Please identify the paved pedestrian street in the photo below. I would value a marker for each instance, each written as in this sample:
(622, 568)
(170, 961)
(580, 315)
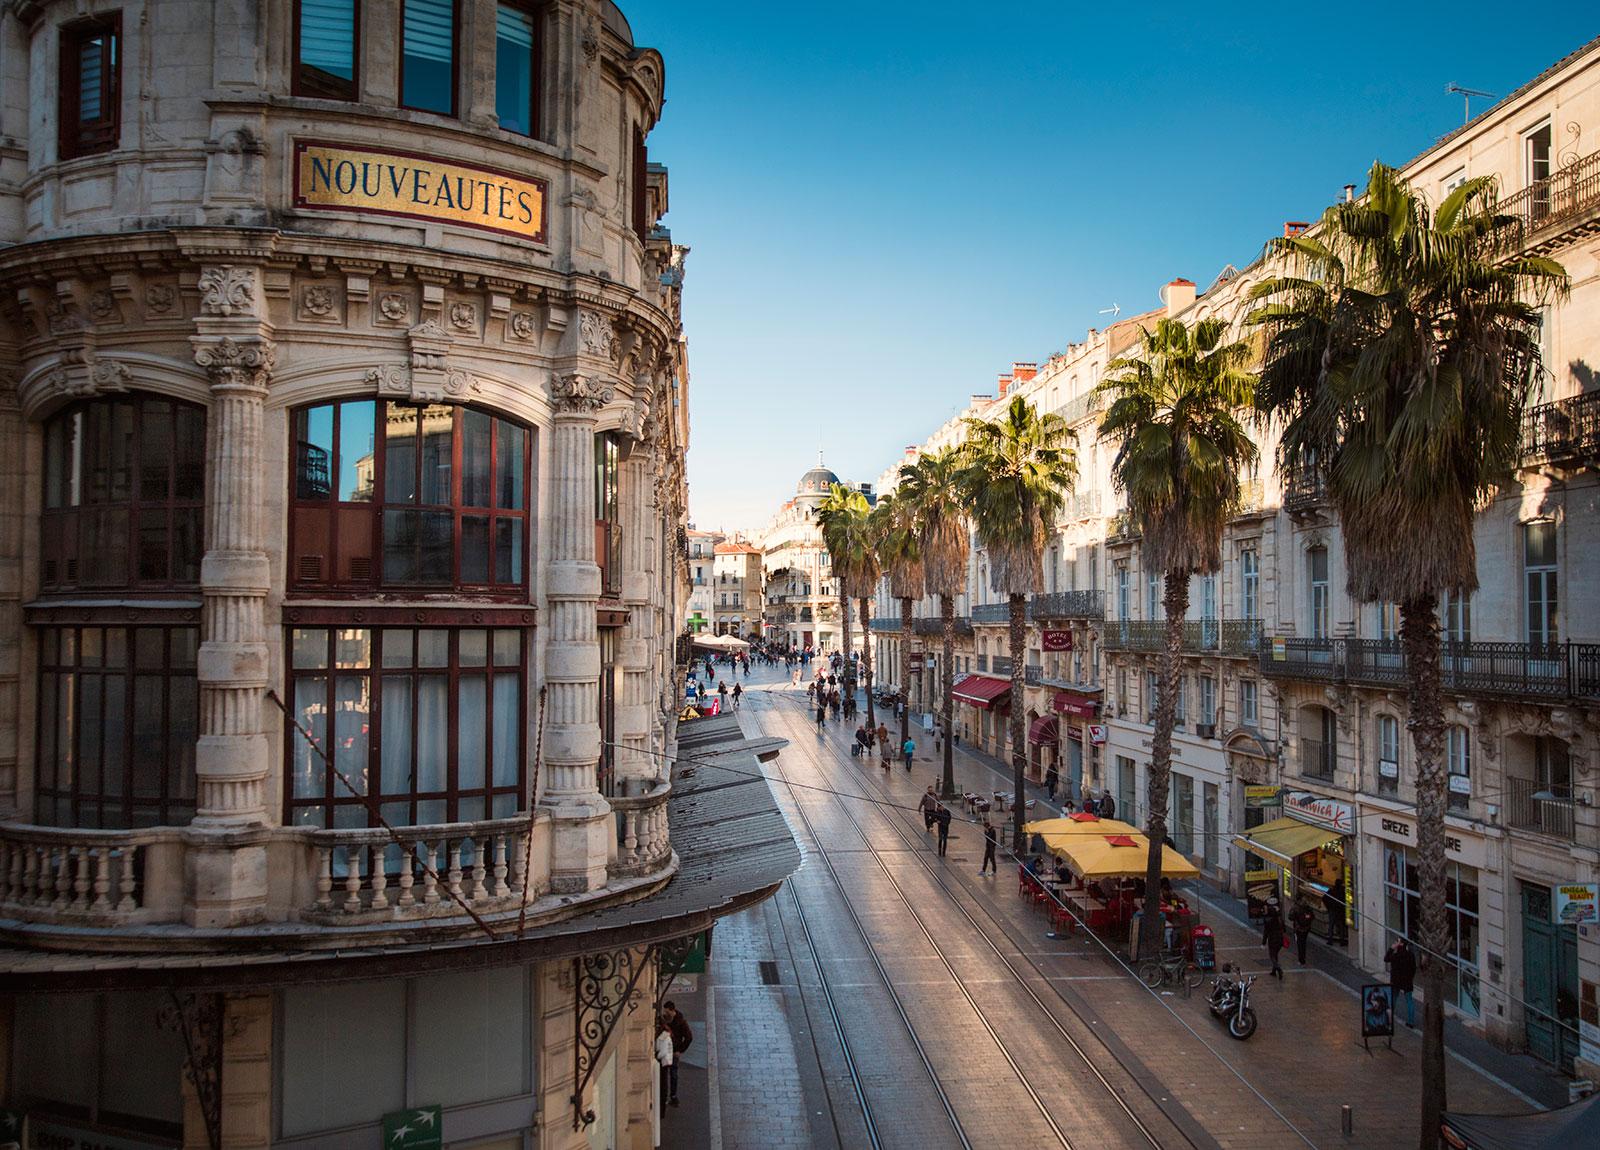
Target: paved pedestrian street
(890, 997)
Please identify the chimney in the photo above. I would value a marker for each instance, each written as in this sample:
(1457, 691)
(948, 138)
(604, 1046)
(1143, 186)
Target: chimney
(1005, 384)
(1292, 228)
(1349, 193)
(1177, 295)
(1023, 372)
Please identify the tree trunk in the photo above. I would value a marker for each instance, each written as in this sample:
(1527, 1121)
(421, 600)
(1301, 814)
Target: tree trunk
(947, 704)
(1419, 638)
(866, 658)
(1175, 602)
(844, 623)
(1018, 642)
(905, 670)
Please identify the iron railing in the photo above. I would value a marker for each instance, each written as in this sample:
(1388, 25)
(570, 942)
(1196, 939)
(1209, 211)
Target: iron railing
(1543, 807)
(1304, 489)
(1564, 429)
(1200, 636)
(1033, 674)
(1553, 200)
(1122, 529)
(1316, 759)
(998, 664)
(1083, 505)
(1515, 670)
(983, 662)
(1251, 497)
(1068, 605)
(886, 625)
(935, 626)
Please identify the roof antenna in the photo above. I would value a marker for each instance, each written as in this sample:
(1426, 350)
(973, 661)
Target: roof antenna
(819, 457)
(1466, 95)
(1113, 311)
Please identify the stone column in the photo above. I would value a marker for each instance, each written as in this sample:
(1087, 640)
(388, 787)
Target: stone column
(582, 826)
(12, 516)
(233, 344)
(633, 652)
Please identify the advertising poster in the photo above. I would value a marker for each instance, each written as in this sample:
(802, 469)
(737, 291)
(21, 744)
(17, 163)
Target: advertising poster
(1377, 1010)
(1576, 902)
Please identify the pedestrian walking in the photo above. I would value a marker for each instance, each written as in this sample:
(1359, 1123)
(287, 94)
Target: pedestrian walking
(668, 1063)
(883, 733)
(738, 693)
(944, 828)
(1052, 780)
(1272, 936)
(682, 1036)
(929, 806)
(1402, 964)
(1107, 808)
(1300, 919)
(822, 715)
(722, 691)
(991, 839)
(1333, 903)
(908, 748)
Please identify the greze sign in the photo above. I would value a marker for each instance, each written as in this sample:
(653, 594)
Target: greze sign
(377, 180)
(1322, 812)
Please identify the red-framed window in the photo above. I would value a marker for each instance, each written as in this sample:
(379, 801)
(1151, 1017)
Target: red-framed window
(398, 495)
(327, 48)
(426, 722)
(608, 511)
(91, 86)
(124, 495)
(118, 714)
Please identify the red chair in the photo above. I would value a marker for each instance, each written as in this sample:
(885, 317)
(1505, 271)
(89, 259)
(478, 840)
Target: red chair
(1062, 920)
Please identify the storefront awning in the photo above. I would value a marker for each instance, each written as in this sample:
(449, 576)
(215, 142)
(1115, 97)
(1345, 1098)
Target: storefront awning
(983, 692)
(1284, 839)
(1073, 703)
(1045, 730)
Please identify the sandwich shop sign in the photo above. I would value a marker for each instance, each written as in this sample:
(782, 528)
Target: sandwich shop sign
(337, 177)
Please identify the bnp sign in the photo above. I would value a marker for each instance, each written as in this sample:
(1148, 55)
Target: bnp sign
(420, 1128)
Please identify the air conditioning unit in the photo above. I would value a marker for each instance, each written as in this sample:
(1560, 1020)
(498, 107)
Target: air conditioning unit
(1206, 730)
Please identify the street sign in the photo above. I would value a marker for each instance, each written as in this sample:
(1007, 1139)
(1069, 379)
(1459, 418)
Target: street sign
(420, 1128)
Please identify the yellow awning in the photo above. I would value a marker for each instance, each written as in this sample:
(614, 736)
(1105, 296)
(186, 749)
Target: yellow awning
(1285, 839)
(1088, 847)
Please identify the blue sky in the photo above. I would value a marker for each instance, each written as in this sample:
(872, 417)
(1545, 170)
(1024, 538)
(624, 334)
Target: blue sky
(889, 203)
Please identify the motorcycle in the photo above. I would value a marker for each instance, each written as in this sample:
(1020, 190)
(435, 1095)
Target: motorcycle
(1230, 1001)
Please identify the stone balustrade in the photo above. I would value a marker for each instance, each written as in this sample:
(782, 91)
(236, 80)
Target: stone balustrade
(642, 842)
(90, 877)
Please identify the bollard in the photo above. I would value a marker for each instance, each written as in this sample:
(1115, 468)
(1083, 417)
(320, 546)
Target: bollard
(1347, 1122)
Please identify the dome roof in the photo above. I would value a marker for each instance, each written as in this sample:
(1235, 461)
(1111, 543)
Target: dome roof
(817, 481)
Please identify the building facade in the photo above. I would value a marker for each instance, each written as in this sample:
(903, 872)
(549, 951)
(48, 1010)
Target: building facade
(343, 383)
(738, 589)
(702, 578)
(800, 597)
(1292, 711)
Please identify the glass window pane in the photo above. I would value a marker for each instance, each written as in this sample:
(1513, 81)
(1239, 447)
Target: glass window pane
(475, 439)
(149, 707)
(438, 435)
(428, 56)
(514, 69)
(155, 449)
(433, 732)
(474, 645)
(396, 744)
(508, 551)
(433, 648)
(310, 648)
(357, 477)
(111, 773)
(183, 727)
(328, 48)
(185, 646)
(189, 454)
(397, 648)
(352, 647)
(400, 453)
(510, 449)
(507, 729)
(89, 735)
(313, 452)
(478, 1045)
(149, 647)
(311, 713)
(472, 732)
(474, 549)
(400, 529)
(436, 546)
(351, 722)
(507, 648)
(91, 79)
(186, 544)
(153, 552)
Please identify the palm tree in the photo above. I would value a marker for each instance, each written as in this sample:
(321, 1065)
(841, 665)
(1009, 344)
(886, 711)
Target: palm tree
(1402, 346)
(931, 489)
(847, 531)
(900, 556)
(1017, 471)
(1181, 451)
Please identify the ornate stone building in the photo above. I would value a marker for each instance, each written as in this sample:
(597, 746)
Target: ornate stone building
(343, 391)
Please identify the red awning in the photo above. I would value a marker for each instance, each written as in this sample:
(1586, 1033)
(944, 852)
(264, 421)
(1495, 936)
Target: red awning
(1072, 703)
(1044, 730)
(983, 692)
(1120, 841)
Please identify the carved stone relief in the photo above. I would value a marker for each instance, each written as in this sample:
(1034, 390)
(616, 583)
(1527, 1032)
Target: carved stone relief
(227, 290)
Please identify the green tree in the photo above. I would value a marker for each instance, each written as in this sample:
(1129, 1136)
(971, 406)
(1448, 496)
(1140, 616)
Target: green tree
(932, 490)
(1402, 346)
(900, 557)
(1181, 451)
(1017, 472)
(847, 532)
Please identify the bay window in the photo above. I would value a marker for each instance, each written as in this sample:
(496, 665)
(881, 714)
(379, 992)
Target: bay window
(403, 495)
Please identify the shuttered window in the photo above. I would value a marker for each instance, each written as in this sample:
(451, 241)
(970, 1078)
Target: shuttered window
(428, 56)
(91, 66)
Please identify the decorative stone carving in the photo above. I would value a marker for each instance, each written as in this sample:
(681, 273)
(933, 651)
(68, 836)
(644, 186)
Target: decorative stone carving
(522, 325)
(160, 297)
(390, 379)
(394, 307)
(596, 336)
(103, 306)
(464, 316)
(577, 393)
(227, 290)
(317, 300)
(61, 319)
(108, 375)
(234, 364)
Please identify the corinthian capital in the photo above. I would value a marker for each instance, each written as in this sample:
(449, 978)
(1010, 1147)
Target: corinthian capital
(575, 393)
(234, 364)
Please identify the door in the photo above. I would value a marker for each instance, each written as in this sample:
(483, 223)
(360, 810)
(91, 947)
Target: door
(1211, 831)
(1549, 981)
(602, 1132)
(1075, 766)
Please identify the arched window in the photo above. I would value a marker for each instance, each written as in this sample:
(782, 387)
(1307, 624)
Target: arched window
(399, 495)
(124, 486)
(1388, 753)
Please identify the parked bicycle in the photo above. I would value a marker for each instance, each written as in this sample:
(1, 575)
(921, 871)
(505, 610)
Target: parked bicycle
(1173, 966)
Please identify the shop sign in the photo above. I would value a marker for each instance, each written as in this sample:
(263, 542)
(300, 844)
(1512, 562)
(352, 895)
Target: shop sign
(914, 662)
(1576, 902)
(1097, 734)
(419, 1128)
(1259, 886)
(1280, 650)
(1398, 828)
(1588, 1041)
(382, 182)
(1320, 811)
(1067, 703)
(1053, 640)
(1460, 784)
(1377, 1010)
(1256, 795)
(51, 1134)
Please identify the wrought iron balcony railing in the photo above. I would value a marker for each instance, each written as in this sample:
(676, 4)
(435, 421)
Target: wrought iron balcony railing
(1122, 530)
(1316, 758)
(1033, 674)
(1542, 807)
(934, 626)
(1068, 605)
(1200, 636)
(886, 625)
(1561, 198)
(1514, 670)
(998, 665)
(1567, 429)
(991, 613)
(1304, 489)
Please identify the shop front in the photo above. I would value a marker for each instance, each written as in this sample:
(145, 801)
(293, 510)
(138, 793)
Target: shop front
(1078, 712)
(990, 697)
(1312, 847)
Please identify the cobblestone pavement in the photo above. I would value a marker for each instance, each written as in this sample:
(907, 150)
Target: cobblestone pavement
(965, 1024)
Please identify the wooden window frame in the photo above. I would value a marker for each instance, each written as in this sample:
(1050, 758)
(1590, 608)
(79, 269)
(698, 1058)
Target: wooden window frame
(173, 809)
(68, 517)
(297, 82)
(536, 10)
(333, 584)
(455, 62)
(335, 794)
(73, 139)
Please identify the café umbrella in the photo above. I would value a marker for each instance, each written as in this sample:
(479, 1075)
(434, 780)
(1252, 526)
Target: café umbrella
(720, 642)
(1096, 848)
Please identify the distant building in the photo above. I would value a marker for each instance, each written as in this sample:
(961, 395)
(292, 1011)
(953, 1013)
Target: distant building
(801, 596)
(737, 590)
